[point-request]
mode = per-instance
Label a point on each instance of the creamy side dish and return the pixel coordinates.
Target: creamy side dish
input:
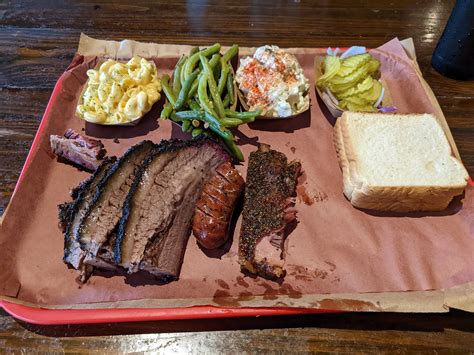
(274, 81)
(119, 92)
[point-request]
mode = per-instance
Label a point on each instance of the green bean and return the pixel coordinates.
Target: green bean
(202, 94)
(196, 132)
(181, 73)
(216, 71)
(231, 52)
(223, 77)
(183, 94)
(226, 100)
(193, 105)
(216, 127)
(167, 89)
(186, 125)
(217, 101)
(230, 88)
(234, 149)
(175, 119)
(206, 117)
(215, 59)
(193, 51)
(189, 115)
(231, 122)
(194, 88)
(192, 61)
(195, 123)
(177, 75)
(213, 62)
(167, 110)
(244, 116)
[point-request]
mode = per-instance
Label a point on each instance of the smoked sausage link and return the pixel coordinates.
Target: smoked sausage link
(215, 206)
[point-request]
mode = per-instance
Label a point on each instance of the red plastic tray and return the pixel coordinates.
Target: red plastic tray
(115, 315)
(106, 315)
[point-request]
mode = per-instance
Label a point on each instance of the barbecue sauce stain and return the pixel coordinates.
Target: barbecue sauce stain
(293, 149)
(303, 195)
(301, 192)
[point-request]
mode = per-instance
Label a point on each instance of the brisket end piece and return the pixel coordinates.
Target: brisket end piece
(105, 209)
(72, 213)
(82, 151)
(268, 210)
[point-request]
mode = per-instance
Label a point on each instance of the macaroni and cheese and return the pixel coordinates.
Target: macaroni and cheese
(119, 92)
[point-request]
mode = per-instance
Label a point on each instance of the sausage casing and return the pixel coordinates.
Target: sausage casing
(215, 206)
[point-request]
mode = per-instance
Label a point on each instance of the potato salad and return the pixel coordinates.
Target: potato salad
(273, 81)
(118, 93)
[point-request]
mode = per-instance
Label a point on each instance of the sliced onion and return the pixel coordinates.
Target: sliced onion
(354, 50)
(332, 52)
(379, 100)
(385, 109)
(332, 97)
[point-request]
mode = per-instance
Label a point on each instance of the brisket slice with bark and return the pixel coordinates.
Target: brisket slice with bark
(156, 219)
(70, 214)
(83, 151)
(268, 210)
(105, 209)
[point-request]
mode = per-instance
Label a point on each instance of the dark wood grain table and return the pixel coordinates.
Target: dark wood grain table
(37, 42)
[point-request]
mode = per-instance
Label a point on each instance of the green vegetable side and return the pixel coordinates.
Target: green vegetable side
(201, 96)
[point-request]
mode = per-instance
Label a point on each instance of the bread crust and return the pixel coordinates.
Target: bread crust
(363, 195)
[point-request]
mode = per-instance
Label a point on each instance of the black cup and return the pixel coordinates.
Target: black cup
(454, 54)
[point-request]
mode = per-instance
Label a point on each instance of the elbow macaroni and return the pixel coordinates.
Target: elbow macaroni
(119, 92)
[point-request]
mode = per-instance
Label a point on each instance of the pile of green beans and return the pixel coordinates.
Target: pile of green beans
(200, 95)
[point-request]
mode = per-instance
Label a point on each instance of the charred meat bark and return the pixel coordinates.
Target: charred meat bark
(72, 213)
(215, 206)
(155, 224)
(105, 209)
(104, 260)
(268, 209)
(135, 213)
(83, 151)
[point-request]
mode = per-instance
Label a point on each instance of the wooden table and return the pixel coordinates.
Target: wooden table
(38, 40)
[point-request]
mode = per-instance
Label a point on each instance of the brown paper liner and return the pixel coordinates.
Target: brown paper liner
(338, 257)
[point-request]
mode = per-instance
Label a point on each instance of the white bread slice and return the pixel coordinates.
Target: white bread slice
(394, 162)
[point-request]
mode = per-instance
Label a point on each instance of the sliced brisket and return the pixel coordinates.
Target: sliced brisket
(155, 224)
(136, 212)
(268, 209)
(105, 209)
(72, 213)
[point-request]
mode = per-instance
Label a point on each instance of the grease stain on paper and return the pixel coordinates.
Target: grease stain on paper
(242, 282)
(223, 284)
(346, 304)
(309, 198)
